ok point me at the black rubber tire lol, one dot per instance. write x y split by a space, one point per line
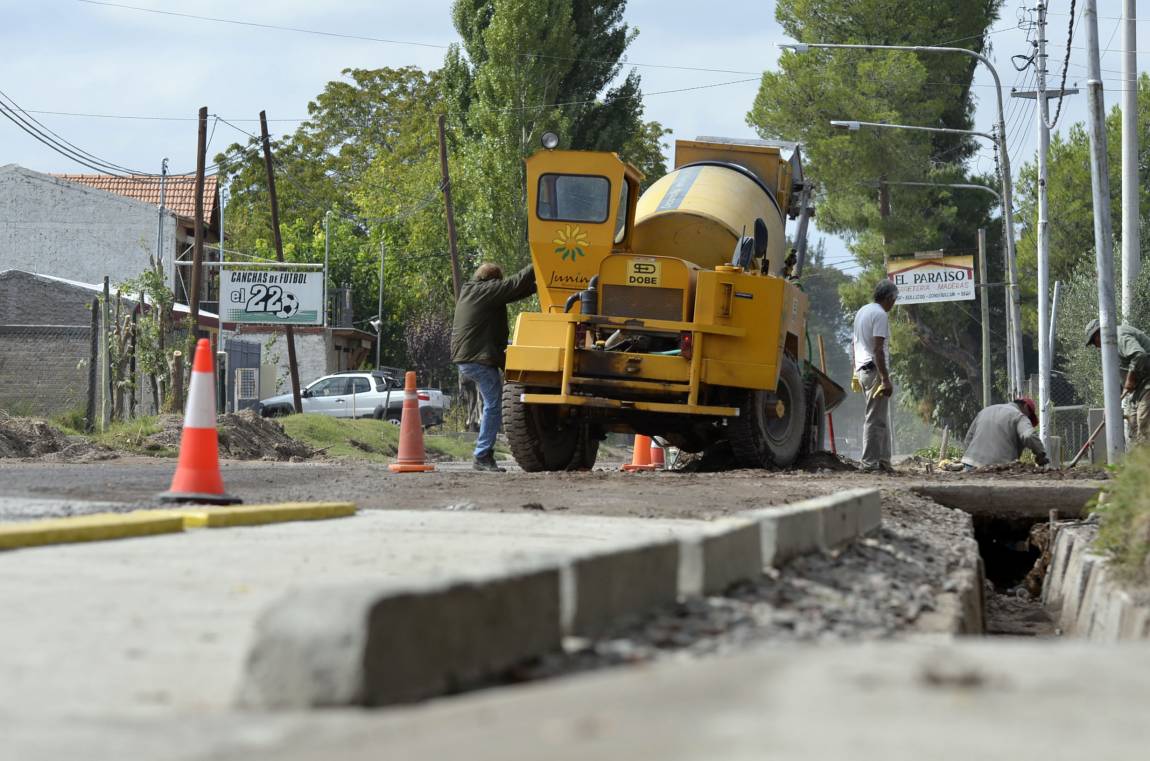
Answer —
540 440
277 411
815 431
761 439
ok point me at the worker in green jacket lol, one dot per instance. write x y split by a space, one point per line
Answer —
479 345
1134 364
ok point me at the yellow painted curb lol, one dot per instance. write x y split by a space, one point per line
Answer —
87 528
255 515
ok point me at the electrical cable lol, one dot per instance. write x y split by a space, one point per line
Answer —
1065 65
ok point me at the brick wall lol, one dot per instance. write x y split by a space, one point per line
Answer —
43 369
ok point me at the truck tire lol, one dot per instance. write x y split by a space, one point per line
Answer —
815 432
540 440
762 439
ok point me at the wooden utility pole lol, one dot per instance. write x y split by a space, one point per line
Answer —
293 367
198 244
456 273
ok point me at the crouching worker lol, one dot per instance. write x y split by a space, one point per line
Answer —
1000 432
479 345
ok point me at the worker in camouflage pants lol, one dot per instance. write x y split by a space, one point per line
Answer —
1134 364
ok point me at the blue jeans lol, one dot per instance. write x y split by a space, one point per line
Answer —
489 381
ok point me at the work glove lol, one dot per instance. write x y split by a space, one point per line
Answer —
856 384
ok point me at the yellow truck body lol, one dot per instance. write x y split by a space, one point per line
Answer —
691 322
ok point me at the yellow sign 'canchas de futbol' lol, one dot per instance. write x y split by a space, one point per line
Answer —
922 281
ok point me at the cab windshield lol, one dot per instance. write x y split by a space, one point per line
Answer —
574 198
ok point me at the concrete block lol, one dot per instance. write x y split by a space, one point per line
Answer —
372 645
728 552
816 524
619 583
1003 500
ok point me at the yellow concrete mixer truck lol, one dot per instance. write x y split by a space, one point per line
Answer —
677 314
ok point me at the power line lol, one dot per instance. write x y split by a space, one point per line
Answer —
259 25
365 38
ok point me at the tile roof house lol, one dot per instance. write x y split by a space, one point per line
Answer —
179 191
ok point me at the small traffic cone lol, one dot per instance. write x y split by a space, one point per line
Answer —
641 455
658 459
197 477
411 458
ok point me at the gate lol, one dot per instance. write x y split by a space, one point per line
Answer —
242 356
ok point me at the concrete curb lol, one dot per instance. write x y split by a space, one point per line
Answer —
822 523
377 645
1090 601
257 515
87 528
367 645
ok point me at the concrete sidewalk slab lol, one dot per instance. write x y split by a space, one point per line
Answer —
1026 500
971 699
165 624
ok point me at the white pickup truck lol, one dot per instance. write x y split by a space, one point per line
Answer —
376 394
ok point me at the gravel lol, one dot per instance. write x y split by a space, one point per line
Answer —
876 588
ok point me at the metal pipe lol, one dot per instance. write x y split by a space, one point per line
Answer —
801 233
1131 232
1043 244
326 259
1054 320
1103 240
379 308
984 308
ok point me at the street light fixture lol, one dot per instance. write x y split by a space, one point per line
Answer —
1007 201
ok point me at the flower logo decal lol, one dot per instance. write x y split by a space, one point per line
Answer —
571 242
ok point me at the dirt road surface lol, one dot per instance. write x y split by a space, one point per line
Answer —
134 481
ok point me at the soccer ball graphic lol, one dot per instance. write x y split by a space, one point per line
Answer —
289 305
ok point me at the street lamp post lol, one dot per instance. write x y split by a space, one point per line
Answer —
1014 331
983 304
1007 194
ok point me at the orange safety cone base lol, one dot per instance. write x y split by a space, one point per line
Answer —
631 467
198 498
399 467
658 458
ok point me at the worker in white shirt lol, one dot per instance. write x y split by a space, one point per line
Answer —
870 347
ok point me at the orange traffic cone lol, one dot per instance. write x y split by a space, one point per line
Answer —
412 458
197 476
641 456
658 459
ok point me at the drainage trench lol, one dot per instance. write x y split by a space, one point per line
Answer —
1011 527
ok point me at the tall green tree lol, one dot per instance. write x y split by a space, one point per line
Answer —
935 347
367 156
525 67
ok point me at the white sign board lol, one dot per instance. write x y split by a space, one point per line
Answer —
922 281
269 296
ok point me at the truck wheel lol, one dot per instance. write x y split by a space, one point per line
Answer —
759 436
815 432
541 440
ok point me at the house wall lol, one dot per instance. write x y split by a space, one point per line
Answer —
58 228
312 349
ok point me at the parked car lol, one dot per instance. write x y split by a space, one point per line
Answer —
377 394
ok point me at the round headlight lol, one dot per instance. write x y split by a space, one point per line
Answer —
550 140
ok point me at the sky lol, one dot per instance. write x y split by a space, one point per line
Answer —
85 59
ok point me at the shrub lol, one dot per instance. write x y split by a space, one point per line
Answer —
1124 531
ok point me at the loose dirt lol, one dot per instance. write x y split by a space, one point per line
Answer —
36 438
242 435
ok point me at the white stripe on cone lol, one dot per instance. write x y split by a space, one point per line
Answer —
201 410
